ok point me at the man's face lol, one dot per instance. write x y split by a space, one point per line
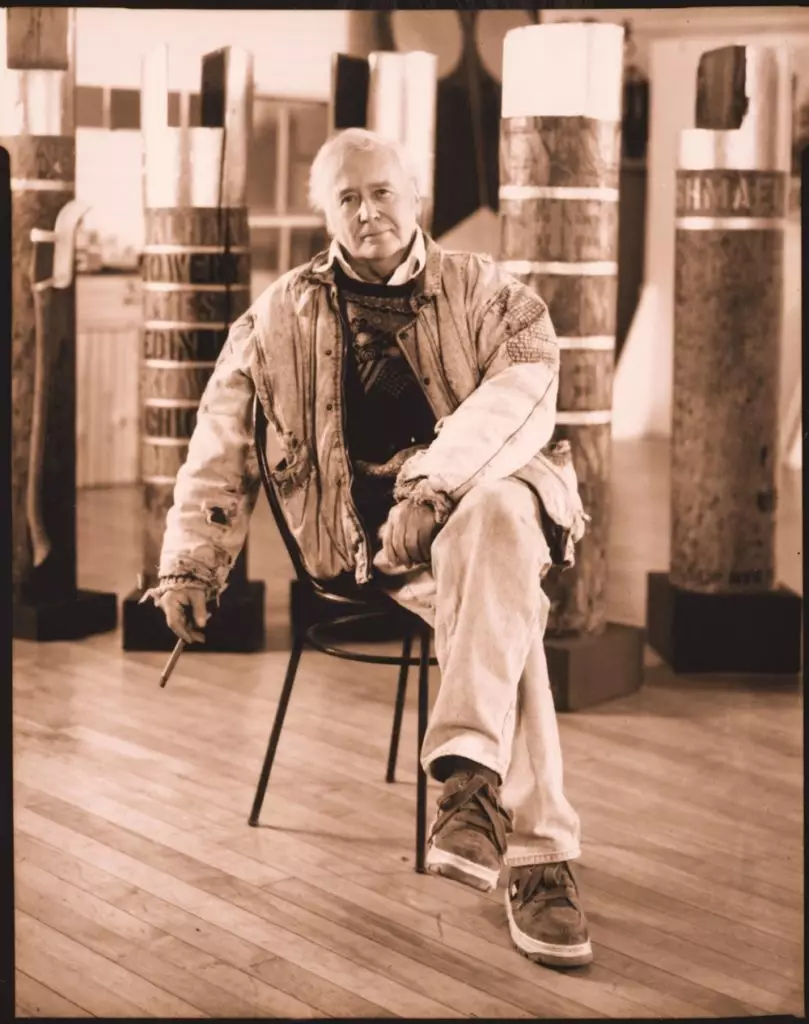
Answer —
373 209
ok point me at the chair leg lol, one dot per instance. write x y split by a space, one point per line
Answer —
421 778
399 708
280 714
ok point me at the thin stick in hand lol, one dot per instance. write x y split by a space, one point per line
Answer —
179 647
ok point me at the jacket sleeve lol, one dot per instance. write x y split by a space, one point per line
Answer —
216 488
511 414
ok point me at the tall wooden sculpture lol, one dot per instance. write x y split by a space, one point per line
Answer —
196 283
393 94
718 609
37 128
560 147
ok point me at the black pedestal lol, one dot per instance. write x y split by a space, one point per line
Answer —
588 670
83 613
237 625
744 633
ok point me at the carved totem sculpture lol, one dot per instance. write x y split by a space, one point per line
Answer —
560 146
719 608
196 283
37 128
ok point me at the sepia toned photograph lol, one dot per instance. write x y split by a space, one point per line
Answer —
406 443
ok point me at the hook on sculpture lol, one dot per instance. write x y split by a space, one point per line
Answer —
60 276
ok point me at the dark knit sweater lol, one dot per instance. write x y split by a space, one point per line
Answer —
387 413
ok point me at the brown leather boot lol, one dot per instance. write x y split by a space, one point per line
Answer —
468 838
545 915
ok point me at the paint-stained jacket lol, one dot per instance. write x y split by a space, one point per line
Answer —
485 352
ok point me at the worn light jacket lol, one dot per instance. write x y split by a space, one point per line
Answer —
485 352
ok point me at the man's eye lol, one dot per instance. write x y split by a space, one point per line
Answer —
346 200
382 193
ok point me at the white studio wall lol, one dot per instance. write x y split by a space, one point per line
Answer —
292 48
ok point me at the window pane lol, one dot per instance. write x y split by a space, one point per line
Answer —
306 243
89 106
308 128
125 109
194 110
265 247
174 110
263 164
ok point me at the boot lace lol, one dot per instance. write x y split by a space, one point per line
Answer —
551 884
475 805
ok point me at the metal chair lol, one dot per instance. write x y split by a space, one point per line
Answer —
363 605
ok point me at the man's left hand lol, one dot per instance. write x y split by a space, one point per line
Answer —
408 534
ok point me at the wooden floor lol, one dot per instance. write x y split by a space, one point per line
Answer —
141 891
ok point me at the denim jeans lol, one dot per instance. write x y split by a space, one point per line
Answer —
482 594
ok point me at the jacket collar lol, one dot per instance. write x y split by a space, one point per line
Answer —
321 268
410 267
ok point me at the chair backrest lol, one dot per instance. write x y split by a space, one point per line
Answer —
260 435
345 592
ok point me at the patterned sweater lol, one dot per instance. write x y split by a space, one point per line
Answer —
387 414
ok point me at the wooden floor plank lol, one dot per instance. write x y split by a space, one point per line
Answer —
596 997
190 941
143 949
467 910
133 854
37 1000
379 952
741 867
58 779
761 989
702 927
154 965
533 998
302 952
771 806
134 992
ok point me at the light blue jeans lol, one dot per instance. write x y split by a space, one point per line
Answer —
482 594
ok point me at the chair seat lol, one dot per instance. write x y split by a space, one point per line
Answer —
345 589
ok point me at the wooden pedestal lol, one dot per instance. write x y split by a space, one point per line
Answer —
71 617
237 625
588 670
740 633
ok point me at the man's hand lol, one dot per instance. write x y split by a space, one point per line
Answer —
408 534
185 608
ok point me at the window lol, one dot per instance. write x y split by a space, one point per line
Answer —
195 110
286 136
89 106
125 109
101 107
174 110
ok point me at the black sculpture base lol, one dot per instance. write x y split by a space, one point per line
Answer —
237 625
740 633
589 670
83 613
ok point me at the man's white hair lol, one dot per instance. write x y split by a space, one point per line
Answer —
331 154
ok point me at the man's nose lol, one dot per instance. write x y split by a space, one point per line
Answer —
367 210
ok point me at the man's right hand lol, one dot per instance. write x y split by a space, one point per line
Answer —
184 609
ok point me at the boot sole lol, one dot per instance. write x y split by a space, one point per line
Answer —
547 953
451 865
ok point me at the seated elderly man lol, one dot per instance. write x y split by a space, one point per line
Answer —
413 390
